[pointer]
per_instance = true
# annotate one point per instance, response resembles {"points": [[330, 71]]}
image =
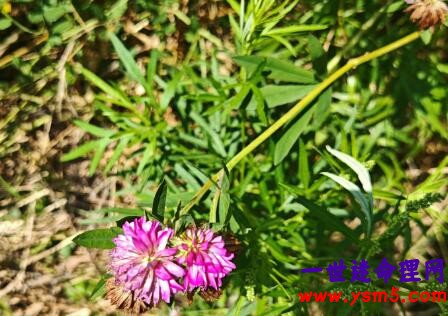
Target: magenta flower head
{"points": [[142, 263], [206, 259]]}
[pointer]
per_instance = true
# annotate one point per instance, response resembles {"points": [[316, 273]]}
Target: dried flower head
{"points": [[206, 258], [210, 295], [427, 13], [124, 299], [142, 263]]}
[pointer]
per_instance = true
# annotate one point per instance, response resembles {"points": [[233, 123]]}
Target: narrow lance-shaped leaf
{"points": [[100, 287], [280, 69], [359, 197], [94, 130], [284, 145], [117, 153], [158, 205], [108, 89], [98, 155], [80, 151], [98, 238], [304, 169], [224, 198], [216, 140], [128, 61], [359, 169], [356, 166], [329, 220]]}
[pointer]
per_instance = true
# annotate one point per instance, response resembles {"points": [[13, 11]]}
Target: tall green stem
{"points": [[299, 107]]}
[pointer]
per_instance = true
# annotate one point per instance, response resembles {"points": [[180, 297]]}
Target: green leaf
{"points": [[322, 109], [80, 151], [426, 36], [115, 95], [4, 24], [395, 6], [316, 49], [216, 140], [122, 211], [98, 238], [387, 195], [287, 30], [290, 137], [224, 197], [259, 99], [128, 61], [183, 222], [94, 130], [236, 101], [145, 159], [117, 10], [100, 287], [99, 151], [356, 166], [117, 153], [359, 197], [322, 215], [54, 13], [304, 169], [158, 205], [280, 69], [279, 95], [170, 91]]}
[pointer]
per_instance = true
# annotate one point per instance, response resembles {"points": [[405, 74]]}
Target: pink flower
{"points": [[206, 258], [142, 263]]}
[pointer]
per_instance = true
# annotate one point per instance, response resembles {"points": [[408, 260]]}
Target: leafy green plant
{"points": [[257, 122]]}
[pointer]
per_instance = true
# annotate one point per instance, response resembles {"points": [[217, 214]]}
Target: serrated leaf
{"points": [[98, 238]]}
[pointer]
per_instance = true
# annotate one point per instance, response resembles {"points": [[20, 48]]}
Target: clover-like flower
{"points": [[206, 259], [427, 13], [142, 263]]}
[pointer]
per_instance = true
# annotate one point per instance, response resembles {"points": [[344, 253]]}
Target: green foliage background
{"points": [[173, 89]]}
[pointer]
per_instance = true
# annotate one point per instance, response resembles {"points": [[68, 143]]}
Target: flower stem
{"points": [[299, 107]]}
